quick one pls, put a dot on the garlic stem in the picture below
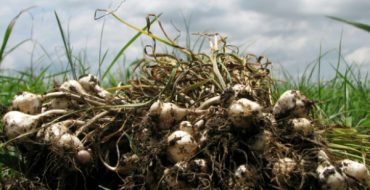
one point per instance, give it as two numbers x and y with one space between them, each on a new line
211 101
88 98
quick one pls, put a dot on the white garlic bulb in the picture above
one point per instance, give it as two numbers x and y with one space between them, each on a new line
243 112
355 169
330 178
302 126
181 146
28 103
291 103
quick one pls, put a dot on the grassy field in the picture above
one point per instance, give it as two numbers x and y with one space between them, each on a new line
341 103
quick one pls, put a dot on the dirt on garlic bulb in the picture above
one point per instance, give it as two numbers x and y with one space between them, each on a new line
187 127
168 113
74 87
284 167
292 104
27 102
243 113
302 126
330 178
181 146
18 123
261 141
355 170
91 84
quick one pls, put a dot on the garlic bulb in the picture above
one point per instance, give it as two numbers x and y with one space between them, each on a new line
244 112
201 165
52 132
291 103
181 146
261 141
283 167
330 178
241 89
241 171
355 169
27 102
187 127
196 165
91 84
168 113
60 139
88 82
69 141
172 182
328 175
55 131
73 86
83 156
302 126
61 103
17 123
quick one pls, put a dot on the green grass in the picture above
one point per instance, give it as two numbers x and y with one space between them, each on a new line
342 100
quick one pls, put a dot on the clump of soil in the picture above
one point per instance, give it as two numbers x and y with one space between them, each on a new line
207 121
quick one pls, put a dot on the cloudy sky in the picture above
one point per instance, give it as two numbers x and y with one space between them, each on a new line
289 32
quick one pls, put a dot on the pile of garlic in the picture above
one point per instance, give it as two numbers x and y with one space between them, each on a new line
189 137
289 114
40 119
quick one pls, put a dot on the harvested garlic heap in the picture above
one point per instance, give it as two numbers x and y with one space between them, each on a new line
182 131
34 119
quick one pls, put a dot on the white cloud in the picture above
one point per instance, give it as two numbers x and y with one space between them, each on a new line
359 56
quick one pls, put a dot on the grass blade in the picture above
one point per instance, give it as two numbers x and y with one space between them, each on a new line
7 34
359 25
66 46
